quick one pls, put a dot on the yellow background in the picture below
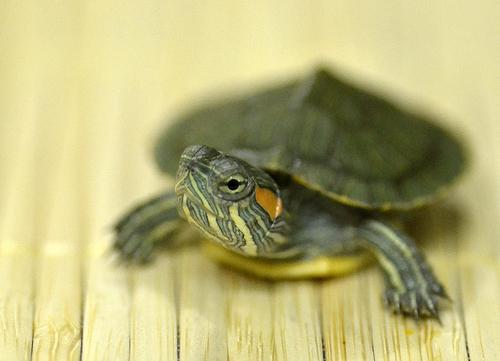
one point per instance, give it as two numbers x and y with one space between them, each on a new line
84 86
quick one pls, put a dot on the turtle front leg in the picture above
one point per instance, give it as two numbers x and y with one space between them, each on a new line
411 287
146 226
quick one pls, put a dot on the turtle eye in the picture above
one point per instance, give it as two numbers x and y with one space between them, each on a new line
233 184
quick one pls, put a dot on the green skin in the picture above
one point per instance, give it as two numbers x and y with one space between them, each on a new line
216 193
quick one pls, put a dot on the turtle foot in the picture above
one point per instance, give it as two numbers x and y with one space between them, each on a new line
417 303
139 232
134 248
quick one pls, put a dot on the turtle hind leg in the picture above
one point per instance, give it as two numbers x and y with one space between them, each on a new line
411 287
145 227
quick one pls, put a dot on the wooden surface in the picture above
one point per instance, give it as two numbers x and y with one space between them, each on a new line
84 85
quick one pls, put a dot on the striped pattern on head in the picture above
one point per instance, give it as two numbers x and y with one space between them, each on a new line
229 201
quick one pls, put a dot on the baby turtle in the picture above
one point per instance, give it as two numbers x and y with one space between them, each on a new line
297 181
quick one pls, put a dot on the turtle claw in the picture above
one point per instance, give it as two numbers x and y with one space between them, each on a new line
417 302
439 290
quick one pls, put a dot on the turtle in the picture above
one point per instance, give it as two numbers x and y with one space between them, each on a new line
307 178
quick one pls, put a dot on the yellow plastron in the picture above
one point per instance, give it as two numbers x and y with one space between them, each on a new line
281 270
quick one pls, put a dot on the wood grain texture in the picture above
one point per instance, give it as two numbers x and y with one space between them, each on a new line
84 87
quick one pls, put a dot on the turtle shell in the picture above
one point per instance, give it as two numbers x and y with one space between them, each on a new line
332 136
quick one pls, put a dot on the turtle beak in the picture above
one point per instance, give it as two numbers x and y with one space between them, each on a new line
180 186
199 153
193 157
185 166
182 174
192 151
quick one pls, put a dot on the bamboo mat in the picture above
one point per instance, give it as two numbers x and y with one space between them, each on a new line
84 86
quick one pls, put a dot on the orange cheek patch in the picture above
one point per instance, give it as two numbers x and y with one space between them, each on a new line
268 200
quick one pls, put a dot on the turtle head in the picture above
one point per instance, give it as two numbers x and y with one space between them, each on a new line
229 201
